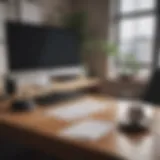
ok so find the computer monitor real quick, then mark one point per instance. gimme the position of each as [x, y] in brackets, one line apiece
[38, 49]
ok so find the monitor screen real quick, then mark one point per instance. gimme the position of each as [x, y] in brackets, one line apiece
[37, 47]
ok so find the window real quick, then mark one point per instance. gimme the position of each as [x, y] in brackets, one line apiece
[135, 24]
[127, 6]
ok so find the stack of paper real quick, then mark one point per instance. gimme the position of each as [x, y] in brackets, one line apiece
[78, 109]
[87, 130]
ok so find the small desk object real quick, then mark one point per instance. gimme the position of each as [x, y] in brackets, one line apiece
[41, 132]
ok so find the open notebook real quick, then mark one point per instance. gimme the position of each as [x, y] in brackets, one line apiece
[77, 109]
[87, 130]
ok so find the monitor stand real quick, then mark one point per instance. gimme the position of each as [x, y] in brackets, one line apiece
[64, 78]
[41, 79]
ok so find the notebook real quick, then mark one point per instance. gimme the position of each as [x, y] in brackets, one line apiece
[87, 130]
[77, 109]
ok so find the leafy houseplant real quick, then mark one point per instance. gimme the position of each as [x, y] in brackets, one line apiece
[102, 45]
[88, 45]
[78, 21]
[130, 67]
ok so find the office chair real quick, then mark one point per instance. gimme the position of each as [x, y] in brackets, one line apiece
[152, 93]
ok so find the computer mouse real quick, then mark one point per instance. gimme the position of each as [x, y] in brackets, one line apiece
[20, 105]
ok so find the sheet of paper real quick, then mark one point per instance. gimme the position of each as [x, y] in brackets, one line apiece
[78, 109]
[88, 130]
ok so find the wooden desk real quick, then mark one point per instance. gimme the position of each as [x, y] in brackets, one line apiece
[78, 84]
[41, 132]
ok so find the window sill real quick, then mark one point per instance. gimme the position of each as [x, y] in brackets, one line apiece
[116, 87]
[137, 80]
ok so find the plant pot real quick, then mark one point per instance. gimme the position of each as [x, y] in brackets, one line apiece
[124, 77]
[91, 74]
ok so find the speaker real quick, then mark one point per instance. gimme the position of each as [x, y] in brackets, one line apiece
[10, 86]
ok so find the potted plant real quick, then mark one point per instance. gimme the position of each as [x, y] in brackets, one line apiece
[89, 45]
[92, 46]
[130, 67]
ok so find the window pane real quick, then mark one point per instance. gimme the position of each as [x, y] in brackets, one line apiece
[144, 38]
[145, 26]
[144, 50]
[136, 5]
[127, 6]
[127, 29]
[136, 36]
[145, 4]
[126, 47]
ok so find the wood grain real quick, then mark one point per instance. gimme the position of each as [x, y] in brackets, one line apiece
[41, 132]
[79, 84]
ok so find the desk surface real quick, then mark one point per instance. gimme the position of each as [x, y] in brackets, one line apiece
[41, 132]
[66, 86]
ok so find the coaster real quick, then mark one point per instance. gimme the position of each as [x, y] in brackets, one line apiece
[132, 128]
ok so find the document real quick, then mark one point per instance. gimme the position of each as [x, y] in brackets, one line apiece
[78, 109]
[88, 130]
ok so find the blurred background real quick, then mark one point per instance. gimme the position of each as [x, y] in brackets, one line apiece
[129, 28]
[119, 39]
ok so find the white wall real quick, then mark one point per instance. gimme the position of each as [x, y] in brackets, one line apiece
[32, 12]
[3, 57]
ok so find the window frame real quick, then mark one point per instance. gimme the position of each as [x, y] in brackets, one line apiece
[118, 16]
